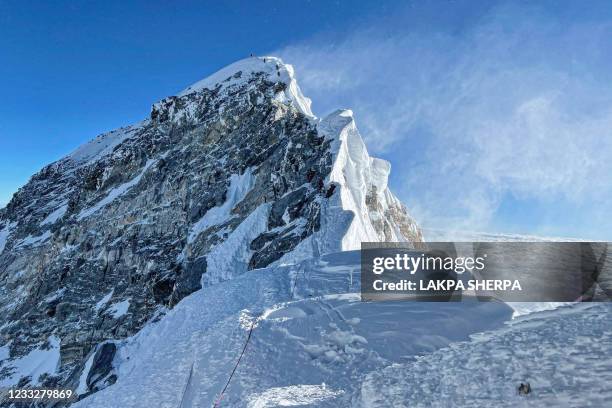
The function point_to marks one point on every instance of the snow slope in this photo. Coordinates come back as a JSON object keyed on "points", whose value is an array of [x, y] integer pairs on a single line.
{"points": [[102, 145], [312, 342], [563, 354], [44, 359]]}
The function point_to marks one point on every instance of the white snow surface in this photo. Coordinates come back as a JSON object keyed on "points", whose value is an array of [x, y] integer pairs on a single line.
{"points": [[356, 173], [292, 396], [33, 241], [564, 355], [102, 145], [102, 302], [34, 364], [119, 309], [55, 215], [4, 352], [313, 341], [231, 257]]}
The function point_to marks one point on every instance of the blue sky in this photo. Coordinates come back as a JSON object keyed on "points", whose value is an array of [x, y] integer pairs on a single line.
{"points": [[496, 116]]}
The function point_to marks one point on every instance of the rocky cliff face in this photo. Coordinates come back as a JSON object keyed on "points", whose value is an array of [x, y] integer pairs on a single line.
{"points": [[232, 174]]}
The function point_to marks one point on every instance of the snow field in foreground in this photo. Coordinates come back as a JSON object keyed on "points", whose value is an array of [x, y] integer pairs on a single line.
{"points": [[564, 354], [313, 340]]}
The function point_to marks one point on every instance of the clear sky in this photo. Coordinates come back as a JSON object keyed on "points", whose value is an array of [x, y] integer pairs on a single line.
{"points": [[496, 116]]}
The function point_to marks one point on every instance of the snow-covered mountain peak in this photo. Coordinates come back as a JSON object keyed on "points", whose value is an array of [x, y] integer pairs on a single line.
{"points": [[241, 71], [231, 175]]}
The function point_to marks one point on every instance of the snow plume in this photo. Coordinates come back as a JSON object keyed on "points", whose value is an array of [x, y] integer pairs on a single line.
{"points": [[481, 116]]}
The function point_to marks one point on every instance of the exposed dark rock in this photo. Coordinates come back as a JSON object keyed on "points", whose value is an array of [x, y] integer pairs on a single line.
{"points": [[102, 365], [524, 389]]}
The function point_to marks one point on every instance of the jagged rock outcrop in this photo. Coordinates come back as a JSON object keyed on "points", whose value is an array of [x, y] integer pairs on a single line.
{"points": [[232, 174]]}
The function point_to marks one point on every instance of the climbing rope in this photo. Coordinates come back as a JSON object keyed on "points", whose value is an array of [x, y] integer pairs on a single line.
{"points": [[246, 343], [186, 385]]}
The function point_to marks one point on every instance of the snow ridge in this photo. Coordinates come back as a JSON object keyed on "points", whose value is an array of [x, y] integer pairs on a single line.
{"points": [[102, 145], [363, 190], [271, 66]]}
